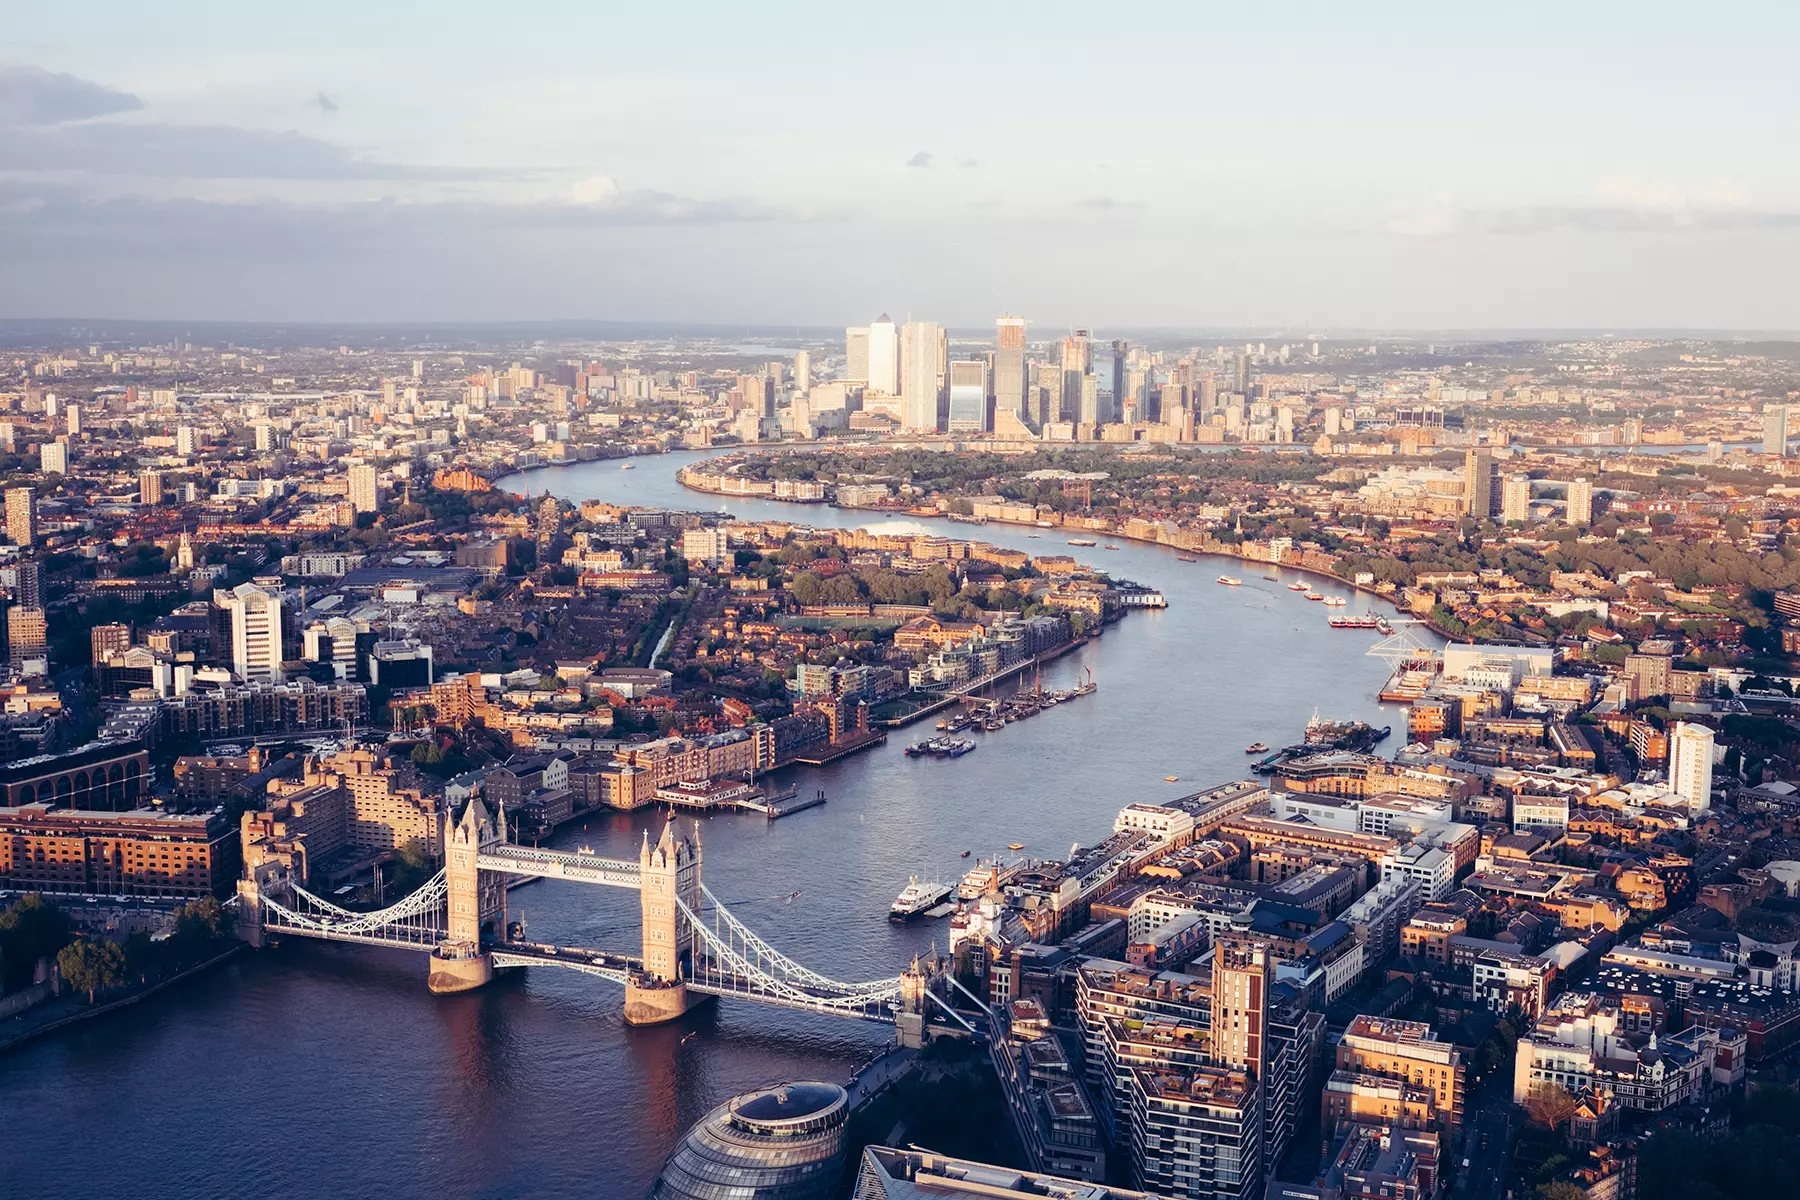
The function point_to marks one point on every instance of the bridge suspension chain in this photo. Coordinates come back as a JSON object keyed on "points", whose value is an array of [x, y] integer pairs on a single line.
{"points": [[749, 976], [763, 950], [414, 919]]}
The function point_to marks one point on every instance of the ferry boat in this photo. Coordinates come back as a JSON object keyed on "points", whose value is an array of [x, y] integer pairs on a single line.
{"points": [[1257, 748], [1335, 602], [1365, 621], [1228, 581], [916, 897], [1083, 542], [1296, 587]]}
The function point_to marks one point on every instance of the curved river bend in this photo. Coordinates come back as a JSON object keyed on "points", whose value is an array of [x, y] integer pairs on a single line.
{"points": [[318, 1070]]}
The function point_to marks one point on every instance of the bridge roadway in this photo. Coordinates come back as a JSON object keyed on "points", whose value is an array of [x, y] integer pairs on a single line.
{"points": [[604, 963], [560, 864]]}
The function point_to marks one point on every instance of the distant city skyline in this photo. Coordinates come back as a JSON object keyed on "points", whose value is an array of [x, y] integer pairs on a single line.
{"points": [[1178, 167]]}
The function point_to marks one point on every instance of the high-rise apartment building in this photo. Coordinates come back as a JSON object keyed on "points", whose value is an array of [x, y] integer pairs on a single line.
{"points": [[921, 348], [1515, 499], [856, 354], [1580, 509], [186, 441], [1691, 764], [1240, 1004], [365, 496], [53, 458], [255, 631], [884, 356], [968, 397], [27, 634], [1775, 429], [29, 590], [107, 640], [21, 515], [150, 487], [803, 371], [1009, 365], [1478, 483], [74, 420]]}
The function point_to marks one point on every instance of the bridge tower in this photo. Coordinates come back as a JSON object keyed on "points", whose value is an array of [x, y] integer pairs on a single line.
{"points": [[461, 963], [667, 872]]}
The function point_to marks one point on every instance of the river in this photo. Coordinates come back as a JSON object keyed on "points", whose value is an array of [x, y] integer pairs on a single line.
{"points": [[324, 1070]]}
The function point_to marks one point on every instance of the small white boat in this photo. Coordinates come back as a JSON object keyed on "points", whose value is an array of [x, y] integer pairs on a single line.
{"points": [[1228, 581]]}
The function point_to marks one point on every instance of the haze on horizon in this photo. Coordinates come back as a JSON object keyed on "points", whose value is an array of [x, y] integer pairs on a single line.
{"points": [[1195, 165]]}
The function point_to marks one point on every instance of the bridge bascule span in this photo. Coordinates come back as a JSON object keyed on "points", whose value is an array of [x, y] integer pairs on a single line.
{"points": [[693, 947]]}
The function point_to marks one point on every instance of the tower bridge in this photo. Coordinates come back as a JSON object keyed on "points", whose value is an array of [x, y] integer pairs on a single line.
{"points": [[692, 947]]}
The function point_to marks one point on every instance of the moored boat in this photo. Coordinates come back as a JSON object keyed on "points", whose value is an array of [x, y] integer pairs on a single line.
{"points": [[916, 897]]}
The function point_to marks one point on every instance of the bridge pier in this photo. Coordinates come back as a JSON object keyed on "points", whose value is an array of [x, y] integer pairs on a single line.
{"points": [[451, 974], [651, 1002]]}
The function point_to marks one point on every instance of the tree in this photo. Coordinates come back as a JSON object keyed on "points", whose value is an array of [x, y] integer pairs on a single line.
{"points": [[90, 966], [30, 928], [1561, 1189], [1549, 1105]]}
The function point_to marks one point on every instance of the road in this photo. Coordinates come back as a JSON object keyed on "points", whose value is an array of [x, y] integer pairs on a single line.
{"points": [[1488, 1137]]}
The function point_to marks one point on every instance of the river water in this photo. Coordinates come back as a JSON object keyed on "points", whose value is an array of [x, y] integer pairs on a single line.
{"points": [[324, 1070]]}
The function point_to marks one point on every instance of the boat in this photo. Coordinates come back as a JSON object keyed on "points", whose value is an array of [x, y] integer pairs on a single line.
{"points": [[1296, 587], [1185, 558], [1365, 621], [1315, 595], [1257, 748], [916, 897], [1015, 845], [1171, 779], [627, 466], [1271, 579], [918, 748], [1109, 547], [1335, 602], [1083, 542], [965, 854], [1034, 535], [1228, 581]]}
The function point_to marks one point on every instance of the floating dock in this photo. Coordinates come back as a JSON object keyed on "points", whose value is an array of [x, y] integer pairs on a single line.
{"points": [[784, 805]]}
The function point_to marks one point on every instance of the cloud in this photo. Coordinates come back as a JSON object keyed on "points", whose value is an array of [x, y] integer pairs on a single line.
{"points": [[1540, 220], [59, 123], [921, 159], [34, 96], [1108, 204], [39, 222]]}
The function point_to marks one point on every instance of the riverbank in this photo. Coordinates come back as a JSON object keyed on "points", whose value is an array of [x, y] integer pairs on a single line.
{"points": [[684, 478], [73, 1008]]}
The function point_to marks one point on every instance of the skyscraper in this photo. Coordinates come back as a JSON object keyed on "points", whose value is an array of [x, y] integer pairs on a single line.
{"points": [[856, 354], [921, 348], [1077, 359], [1775, 426], [803, 371], [364, 496], [1119, 392], [1478, 483], [1009, 365], [968, 397], [1581, 502], [1691, 764], [884, 356], [21, 515], [255, 631]]}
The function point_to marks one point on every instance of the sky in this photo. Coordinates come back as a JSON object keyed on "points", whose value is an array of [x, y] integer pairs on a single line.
{"points": [[1299, 166]]}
